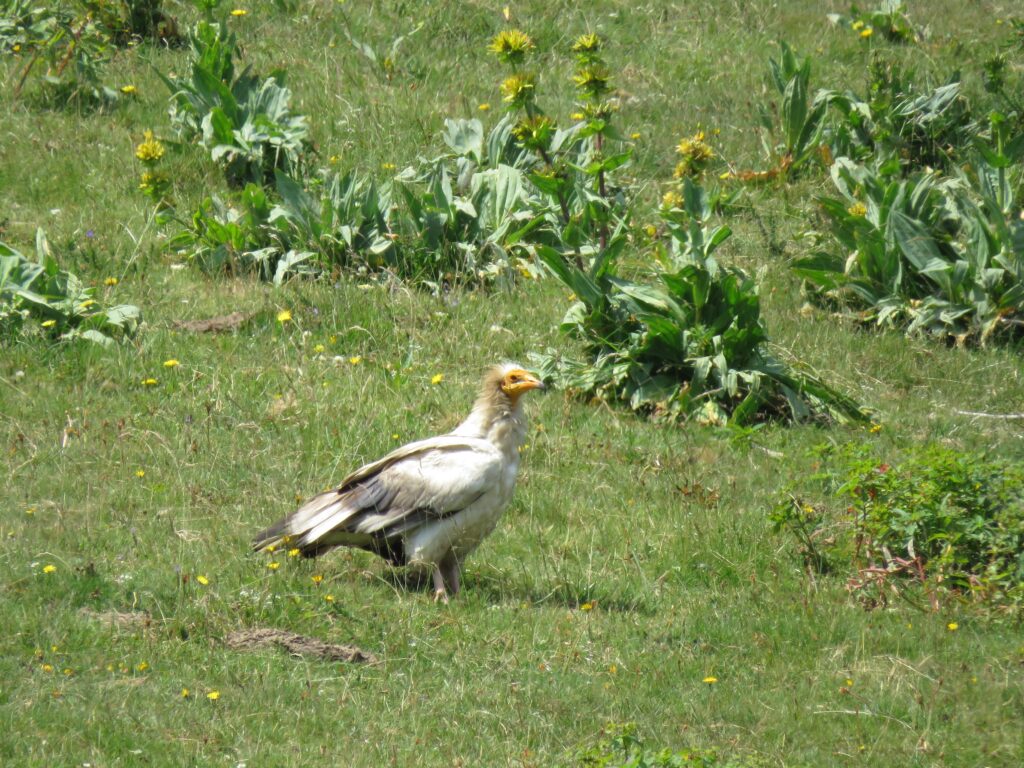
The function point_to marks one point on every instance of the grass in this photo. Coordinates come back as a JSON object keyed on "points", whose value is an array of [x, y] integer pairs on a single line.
{"points": [[636, 559]]}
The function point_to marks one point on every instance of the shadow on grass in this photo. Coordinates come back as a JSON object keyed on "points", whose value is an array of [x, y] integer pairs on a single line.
{"points": [[497, 588]]}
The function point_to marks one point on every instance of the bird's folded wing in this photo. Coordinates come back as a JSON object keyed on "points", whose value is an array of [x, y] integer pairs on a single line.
{"points": [[429, 479]]}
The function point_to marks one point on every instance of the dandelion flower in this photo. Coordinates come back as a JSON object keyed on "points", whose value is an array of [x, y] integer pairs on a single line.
{"points": [[635, 135], [284, 316], [150, 382], [172, 363], [710, 680], [388, 166], [140, 473], [274, 565], [329, 598], [128, 90], [577, 116], [437, 378], [318, 349], [875, 428], [213, 695], [866, 33], [51, 568], [142, 666], [185, 693], [294, 552], [202, 580], [316, 578], [239, 12], [952, 626], [857, 25], [484, 107], [395, 436], [48, 323], [47, 668], [587, 607], [110, 281], [355, 360]]}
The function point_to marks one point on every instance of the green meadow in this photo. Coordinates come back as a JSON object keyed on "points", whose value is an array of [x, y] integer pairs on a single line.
{"points": [[636, 576]]}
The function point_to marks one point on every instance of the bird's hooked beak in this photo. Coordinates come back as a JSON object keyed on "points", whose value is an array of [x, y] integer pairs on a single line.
{"points": [[517, 382]]}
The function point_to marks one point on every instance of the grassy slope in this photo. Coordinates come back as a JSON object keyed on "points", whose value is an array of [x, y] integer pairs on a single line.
{"points": [[663, 529]]}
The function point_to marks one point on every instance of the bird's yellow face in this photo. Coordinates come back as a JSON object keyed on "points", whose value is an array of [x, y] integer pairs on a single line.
{"points": [[517, 381]]}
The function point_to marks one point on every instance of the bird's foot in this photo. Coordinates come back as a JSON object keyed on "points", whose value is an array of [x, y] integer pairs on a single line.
{"points": [[440, 593]]}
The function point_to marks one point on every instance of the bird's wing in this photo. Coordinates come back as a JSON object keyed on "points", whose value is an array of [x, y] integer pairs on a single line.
{"points": [[427, 479]]}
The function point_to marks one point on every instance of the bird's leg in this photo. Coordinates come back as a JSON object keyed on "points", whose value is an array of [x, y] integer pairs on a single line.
{"points": [[440, 593], [450, 568]]}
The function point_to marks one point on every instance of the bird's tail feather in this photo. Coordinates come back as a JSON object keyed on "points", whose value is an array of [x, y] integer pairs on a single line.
{"points": [[306, 525]]}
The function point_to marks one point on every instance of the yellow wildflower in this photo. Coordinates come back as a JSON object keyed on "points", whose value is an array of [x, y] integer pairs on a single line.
{"points": [[672, 199], [866, 32], [587, 43], [172, 363], [49, 568], [329, 598], [294, 552], [150, 382], [875, 428], [284, 316], [484, 107], [317, 578], [437, 378], [87, 303], [511, 45], [110, 281], [150, 150], [577, 116], [587, 607], [318, 348], [48, 323], [185, 693], [857, 209], [142, 666], [650, 230], [518, 89], [710, 680], [952, 626], [140, 473], [202, 580], [274, 565], [857, 25], [213, 695], [239, 12], [47, 668], [128, 89], [635, 135], [355, 360]]}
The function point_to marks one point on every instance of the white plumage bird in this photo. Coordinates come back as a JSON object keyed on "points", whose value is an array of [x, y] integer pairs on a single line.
{"points": [[428, 503]]}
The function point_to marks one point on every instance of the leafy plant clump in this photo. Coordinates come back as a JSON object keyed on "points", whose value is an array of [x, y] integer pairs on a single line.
{"points": [[687, 342], [63, 305], [620, 747], [244, 120], [952, 522], [936, 255], [456, 219]]}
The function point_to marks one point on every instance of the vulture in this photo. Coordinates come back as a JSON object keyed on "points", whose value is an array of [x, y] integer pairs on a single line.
{"points": [[429, 503]]}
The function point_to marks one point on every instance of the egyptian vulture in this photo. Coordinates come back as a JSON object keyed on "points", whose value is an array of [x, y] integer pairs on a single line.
{"points": [[428, 503]]}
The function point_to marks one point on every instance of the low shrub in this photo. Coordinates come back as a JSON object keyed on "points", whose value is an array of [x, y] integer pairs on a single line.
{"points": [[950, 521]]}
